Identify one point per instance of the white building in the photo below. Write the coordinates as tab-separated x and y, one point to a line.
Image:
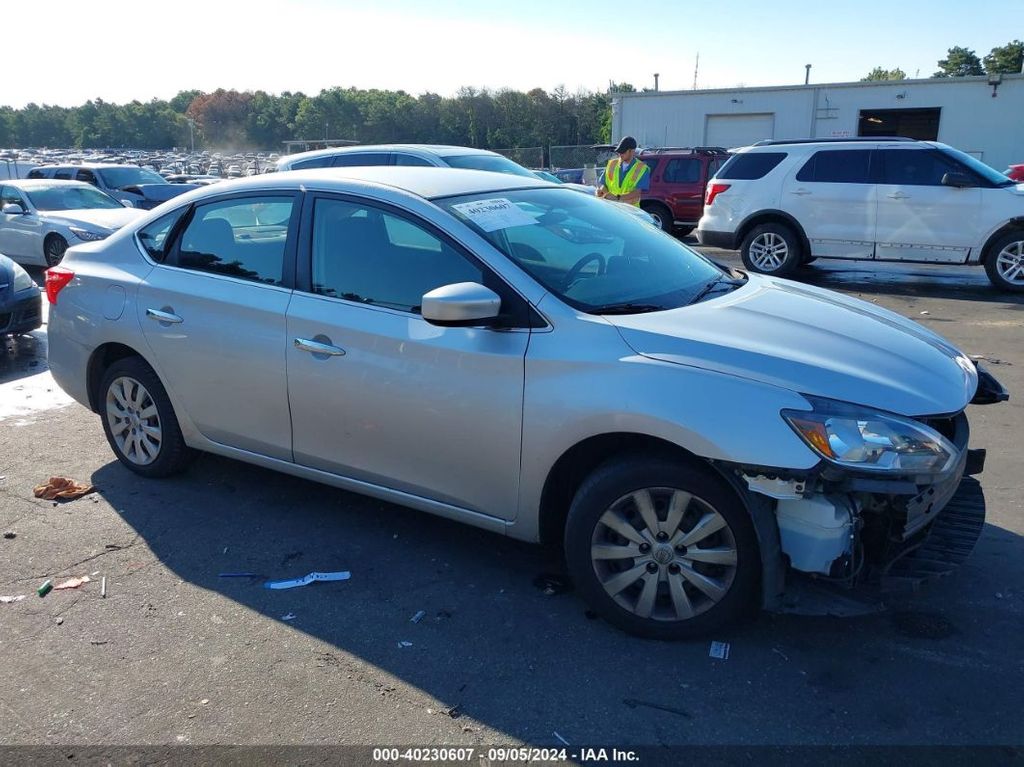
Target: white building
974	114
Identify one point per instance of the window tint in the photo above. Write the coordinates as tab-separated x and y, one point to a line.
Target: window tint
153	238
64	173
11	196
409	159
916	167
364	254
682	171
86	175
840	166
36	173
358	159
243	238
313	162
750	165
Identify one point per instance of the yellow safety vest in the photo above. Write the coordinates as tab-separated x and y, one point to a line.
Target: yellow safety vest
629	183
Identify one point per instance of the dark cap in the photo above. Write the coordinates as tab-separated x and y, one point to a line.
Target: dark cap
627	143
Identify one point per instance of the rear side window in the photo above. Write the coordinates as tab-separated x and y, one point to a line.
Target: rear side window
313	162
360	159
242	237
36	173
410	159
154	238
651	163
682	171
838	166
751	165
64	173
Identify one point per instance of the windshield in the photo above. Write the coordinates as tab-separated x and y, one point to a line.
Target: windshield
586	252
65	196
119	178
492	162
987	172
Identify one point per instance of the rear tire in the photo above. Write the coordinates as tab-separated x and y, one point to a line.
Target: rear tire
694	571
683	231
139	420
771	249
1005	262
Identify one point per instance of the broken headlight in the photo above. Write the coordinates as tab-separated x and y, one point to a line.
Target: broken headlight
870	440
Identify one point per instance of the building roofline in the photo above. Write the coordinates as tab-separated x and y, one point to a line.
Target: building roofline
983	79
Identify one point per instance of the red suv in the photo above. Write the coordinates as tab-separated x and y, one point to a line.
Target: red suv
1015	172
679	176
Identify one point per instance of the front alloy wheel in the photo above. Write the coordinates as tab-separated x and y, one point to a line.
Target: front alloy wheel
660	548
1005	264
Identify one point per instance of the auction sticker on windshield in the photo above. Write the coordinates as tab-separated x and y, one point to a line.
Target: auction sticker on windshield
491	215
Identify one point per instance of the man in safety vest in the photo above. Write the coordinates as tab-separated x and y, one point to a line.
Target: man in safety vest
625	177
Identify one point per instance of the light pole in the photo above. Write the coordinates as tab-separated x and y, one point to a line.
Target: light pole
807	74
191	134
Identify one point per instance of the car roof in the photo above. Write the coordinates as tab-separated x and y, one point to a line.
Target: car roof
857	142
438	150
429	183
87	165
34	183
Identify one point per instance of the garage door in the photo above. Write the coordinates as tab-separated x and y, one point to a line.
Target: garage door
738	130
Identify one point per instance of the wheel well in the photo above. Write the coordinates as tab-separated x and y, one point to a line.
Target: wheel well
1013	225
774	217
579	461
102	358
655	204
51	236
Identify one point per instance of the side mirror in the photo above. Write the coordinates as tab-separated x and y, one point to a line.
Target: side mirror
957	180
12	209
128	203
464	304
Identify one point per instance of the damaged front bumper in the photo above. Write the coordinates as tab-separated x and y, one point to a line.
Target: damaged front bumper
848	542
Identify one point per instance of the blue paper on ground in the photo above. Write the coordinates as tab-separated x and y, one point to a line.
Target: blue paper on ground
305	580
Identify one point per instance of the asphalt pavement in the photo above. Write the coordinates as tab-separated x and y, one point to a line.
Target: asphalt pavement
177	654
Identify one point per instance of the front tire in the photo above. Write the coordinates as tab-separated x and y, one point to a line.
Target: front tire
771	249
53	249
139	420
661	549
1005	262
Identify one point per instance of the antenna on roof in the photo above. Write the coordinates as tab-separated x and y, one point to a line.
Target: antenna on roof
696	67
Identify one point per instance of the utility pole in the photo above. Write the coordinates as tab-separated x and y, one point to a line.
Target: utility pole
807	74
191	134
655	82
696	68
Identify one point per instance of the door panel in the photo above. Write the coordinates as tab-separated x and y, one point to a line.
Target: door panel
21	237
399	402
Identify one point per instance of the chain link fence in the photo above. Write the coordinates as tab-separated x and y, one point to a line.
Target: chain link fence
578	156
527	156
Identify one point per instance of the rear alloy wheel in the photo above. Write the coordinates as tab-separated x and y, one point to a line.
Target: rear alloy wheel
661	215
661	549
53	249
771	249
139	420
1005	262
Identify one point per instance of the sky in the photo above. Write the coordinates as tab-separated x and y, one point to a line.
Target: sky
75	50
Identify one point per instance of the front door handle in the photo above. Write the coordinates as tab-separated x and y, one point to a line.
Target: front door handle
159	316
801	191
319	347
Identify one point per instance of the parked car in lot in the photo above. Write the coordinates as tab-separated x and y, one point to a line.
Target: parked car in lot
514	355
20	300
783	203
1015	172
679	177
140	187
38	219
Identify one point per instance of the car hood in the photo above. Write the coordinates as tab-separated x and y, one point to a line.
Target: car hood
811	341
103	218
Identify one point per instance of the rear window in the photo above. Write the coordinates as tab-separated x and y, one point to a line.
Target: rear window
838	166
750	165
313	162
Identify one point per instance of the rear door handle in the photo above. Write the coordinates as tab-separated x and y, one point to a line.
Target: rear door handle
897	195
801	191
159	316
318	347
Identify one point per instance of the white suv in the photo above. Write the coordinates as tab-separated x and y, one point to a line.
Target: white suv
784	203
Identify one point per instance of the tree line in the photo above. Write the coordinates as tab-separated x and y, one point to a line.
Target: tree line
230	119
964	62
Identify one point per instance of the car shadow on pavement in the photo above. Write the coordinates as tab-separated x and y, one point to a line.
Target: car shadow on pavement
493	647
22	356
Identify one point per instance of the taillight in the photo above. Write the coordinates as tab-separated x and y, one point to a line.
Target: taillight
56	278
713	191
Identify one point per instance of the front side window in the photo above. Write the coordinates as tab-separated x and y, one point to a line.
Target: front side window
154	238
586	252
410	159
749	166
36	173
70	197
242	237
361	253
87	176
313	162
11	196
682	171
916	167
838	166
63	173
495	163
361	159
